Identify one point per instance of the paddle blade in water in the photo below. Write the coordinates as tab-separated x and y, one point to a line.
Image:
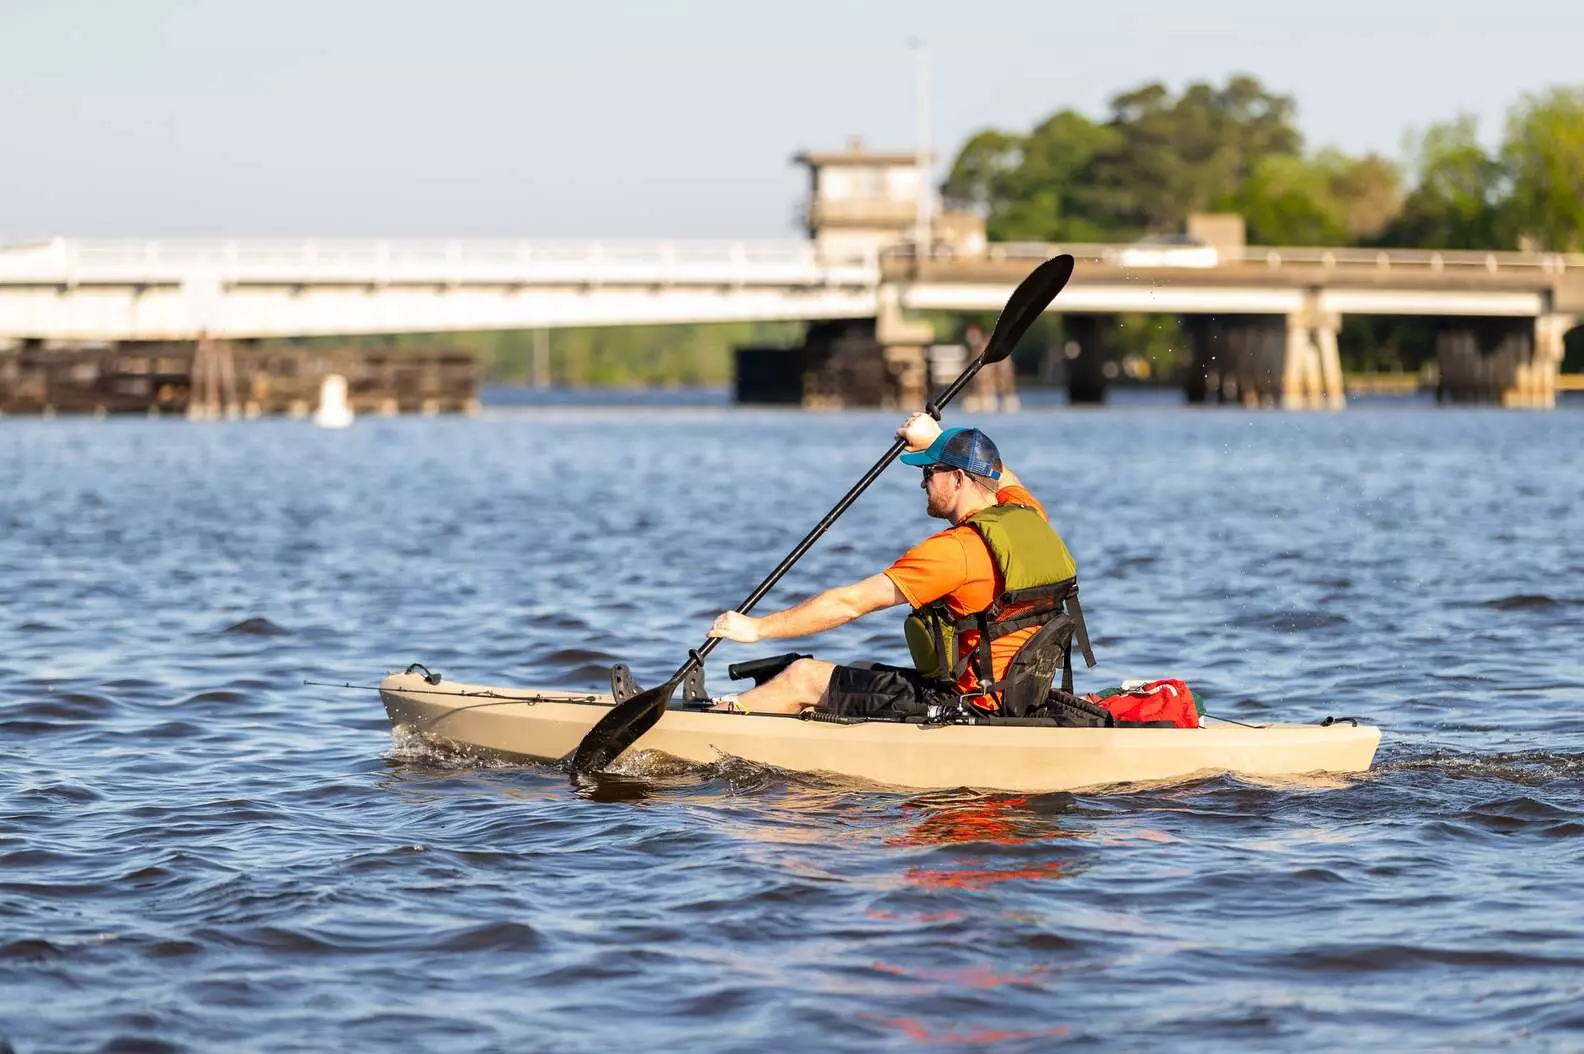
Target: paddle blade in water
621	728
1027	302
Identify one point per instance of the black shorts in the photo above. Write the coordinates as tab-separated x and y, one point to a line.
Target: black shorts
883	691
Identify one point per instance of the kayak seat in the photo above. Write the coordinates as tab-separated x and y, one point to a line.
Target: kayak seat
1026	683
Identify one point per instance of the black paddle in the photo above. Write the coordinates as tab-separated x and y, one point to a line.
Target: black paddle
626	722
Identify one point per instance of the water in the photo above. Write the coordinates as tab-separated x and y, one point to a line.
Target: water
199	852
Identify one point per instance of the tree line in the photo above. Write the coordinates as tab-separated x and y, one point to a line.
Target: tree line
1156	157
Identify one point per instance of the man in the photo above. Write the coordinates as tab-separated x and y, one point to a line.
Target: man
953	580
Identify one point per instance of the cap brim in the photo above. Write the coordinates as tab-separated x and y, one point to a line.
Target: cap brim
919	459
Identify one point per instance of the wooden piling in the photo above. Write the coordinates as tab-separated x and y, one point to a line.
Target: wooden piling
214	378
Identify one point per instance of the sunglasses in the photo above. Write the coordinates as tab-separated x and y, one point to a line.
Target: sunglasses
930	470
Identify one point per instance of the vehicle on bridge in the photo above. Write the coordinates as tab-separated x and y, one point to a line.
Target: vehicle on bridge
1169	250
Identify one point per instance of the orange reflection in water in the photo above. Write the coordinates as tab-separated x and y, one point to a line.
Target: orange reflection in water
980	878
928	916
981	976
976	820
993	820
916	1031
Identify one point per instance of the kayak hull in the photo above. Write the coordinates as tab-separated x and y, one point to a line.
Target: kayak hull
548	724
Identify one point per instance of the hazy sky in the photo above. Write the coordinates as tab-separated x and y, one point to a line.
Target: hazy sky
589	118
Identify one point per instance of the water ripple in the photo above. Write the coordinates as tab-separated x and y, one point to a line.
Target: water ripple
199	851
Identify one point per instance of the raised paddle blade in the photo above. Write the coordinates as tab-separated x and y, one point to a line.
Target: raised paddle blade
1027	302
621	727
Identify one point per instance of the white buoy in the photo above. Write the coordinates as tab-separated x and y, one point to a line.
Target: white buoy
333	410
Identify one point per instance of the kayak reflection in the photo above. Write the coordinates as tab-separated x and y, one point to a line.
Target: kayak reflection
979	819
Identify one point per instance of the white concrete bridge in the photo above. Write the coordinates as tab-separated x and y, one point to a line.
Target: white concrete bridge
70	289
89	289
133	290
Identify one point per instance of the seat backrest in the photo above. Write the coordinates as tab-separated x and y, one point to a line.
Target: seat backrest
1029	675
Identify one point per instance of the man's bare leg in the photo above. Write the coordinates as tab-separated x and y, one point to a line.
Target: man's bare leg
800	685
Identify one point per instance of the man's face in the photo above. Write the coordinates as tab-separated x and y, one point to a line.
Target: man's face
940	485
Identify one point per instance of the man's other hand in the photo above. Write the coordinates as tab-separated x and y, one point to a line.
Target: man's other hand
735	626
919	431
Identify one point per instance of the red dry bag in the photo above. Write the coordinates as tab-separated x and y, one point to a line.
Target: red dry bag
1159	703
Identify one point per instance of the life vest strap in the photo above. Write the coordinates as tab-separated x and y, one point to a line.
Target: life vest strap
1020	609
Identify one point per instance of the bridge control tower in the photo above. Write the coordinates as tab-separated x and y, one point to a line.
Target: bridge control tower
877	200
866	203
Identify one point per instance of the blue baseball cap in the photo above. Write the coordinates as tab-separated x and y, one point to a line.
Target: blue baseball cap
966	448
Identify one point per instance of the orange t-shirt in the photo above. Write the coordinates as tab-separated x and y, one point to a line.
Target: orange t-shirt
957	565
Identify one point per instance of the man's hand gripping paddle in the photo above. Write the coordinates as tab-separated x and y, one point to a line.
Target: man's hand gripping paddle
627	721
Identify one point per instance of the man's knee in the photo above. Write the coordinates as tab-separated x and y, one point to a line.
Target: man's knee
809	676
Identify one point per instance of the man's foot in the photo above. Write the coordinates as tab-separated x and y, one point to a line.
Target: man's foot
730	703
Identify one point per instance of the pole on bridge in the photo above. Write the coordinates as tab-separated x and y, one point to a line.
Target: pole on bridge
921	135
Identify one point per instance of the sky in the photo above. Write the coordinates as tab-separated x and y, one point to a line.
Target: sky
665	118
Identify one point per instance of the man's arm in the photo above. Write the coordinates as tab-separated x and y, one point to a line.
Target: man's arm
827	610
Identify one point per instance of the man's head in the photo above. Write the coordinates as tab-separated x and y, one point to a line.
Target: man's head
959	458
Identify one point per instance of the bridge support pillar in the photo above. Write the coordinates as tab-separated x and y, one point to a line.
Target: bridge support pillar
1266	360
1510	361
904	344
851	362
842	365
213	392
1550	349
1085	354
994	387
1236	358
1312	370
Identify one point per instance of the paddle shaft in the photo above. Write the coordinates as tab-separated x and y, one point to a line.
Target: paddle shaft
627	721
936	405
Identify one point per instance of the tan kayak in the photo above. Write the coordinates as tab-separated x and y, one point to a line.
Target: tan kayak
542	724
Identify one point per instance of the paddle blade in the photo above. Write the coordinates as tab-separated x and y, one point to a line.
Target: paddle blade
1027	302
621	727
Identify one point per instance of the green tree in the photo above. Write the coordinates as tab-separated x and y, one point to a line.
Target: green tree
1176	156
1543	157
980	179
1289	201
1047	193
1369	190
1456	201
1326	199
1132	185
1155	159
1030	188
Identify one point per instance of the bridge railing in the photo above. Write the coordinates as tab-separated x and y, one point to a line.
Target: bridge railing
1275	258
381	261
778	263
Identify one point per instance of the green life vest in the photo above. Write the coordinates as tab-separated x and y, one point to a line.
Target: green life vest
1039	584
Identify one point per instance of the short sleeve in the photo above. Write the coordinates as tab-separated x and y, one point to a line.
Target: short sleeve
931	569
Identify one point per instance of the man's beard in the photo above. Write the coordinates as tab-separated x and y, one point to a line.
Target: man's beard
937	508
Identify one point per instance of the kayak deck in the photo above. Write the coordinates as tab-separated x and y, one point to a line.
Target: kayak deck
549	724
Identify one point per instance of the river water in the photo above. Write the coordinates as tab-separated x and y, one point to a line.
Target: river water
200	852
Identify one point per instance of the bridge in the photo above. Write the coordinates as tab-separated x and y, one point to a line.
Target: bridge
1263	320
